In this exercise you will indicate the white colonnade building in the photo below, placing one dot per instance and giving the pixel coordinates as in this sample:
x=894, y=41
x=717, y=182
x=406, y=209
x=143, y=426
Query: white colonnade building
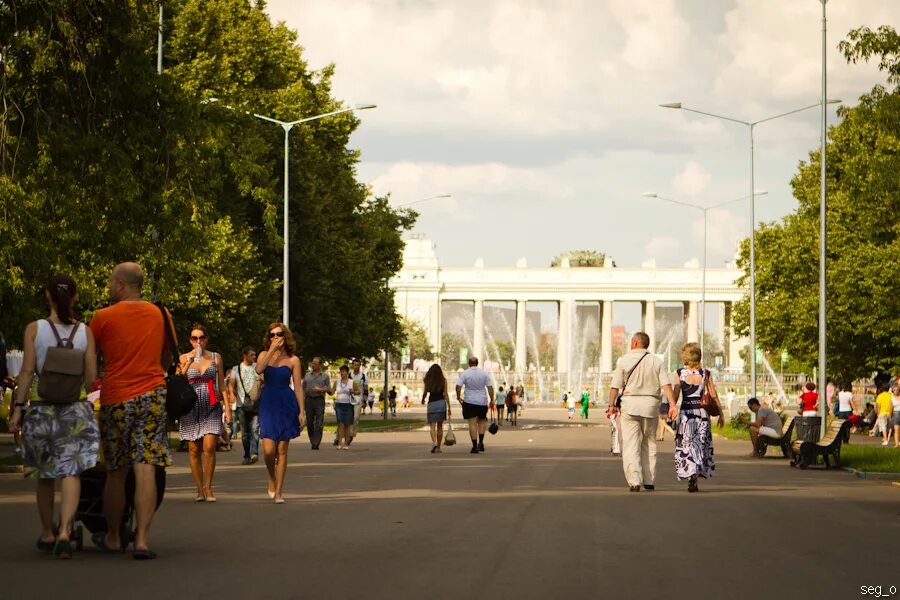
x=422, y=285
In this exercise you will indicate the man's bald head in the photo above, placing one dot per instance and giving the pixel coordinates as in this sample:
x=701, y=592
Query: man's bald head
x=640, y=340
x=125, y=282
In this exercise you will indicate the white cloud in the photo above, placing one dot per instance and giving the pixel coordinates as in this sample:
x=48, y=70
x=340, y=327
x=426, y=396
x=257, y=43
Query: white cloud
x=726, y=228
x=661, y=247
x=692, y=180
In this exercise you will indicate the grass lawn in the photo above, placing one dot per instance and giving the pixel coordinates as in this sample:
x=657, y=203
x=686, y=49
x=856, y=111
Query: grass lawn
x=875, y=459
x=729, y=432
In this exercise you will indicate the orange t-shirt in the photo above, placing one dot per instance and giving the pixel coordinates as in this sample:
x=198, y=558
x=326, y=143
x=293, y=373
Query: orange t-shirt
x=131, y=338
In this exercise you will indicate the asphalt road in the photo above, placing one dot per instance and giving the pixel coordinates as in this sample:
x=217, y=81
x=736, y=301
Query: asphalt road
x=544, y=513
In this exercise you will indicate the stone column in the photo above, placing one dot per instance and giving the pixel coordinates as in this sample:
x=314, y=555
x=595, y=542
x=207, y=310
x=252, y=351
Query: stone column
x=691, y=313
x=562, y=343
x=478, y=335
x=606, y=350
x=521, y=336
x=648, y=314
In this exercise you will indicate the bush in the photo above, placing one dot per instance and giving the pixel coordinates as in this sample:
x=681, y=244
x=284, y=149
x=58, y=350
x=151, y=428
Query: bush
x=740, y=421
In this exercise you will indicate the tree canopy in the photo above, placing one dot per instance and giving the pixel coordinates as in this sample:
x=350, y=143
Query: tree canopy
x=863, y=244
x=102, y=161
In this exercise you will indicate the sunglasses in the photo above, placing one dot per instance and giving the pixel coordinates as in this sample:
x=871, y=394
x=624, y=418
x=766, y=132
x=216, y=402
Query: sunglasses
x=195, y=338
x=276, y=334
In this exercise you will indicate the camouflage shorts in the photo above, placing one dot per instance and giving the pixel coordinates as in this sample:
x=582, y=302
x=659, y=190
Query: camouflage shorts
x=135, y=431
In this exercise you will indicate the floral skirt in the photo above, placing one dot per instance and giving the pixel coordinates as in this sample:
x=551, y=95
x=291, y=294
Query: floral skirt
x=60, y=440
x=693, y=447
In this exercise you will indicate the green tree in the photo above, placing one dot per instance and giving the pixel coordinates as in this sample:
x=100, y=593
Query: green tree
x=416, y=337
x=450, y=345
x=101, y=160
x=863, y=245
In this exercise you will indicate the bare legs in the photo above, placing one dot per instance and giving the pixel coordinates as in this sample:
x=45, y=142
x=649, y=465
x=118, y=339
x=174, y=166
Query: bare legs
x=203, y=467
x=754, y=438
x=45, y=499
x=275, y=457
x=144, y=504
x=896, y=436
x=343, y=432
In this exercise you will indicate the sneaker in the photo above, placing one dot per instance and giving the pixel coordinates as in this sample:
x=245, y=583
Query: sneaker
x=246, y=460
x=336, y=442
x=649, y=488
x=884, y=442
x=254, y=458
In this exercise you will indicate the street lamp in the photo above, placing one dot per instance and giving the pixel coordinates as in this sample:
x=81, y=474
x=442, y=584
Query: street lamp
x=705, y=210
x=750, y=126
x=424, y=200
x=287, y=126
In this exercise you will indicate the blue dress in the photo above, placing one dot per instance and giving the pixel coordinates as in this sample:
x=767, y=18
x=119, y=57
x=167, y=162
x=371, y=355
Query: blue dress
x=279, y=415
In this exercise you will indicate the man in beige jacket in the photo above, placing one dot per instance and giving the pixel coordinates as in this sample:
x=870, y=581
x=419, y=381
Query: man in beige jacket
x=643, y=379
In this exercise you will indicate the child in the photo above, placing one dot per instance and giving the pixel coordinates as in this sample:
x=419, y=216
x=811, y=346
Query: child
x=570, y=401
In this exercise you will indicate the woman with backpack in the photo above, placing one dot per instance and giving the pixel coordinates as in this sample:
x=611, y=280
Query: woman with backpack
x=61, y=437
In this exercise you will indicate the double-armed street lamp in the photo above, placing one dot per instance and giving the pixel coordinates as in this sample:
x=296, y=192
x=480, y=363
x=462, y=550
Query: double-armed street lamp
x=751, y=125
x=705, y=210
x=287, y=126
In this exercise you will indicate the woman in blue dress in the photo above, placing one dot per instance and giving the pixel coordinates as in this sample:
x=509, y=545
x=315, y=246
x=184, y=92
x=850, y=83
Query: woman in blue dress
x=281, y=414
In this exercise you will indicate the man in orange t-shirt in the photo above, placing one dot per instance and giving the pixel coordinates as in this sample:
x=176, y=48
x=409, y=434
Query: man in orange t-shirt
x=131, y=336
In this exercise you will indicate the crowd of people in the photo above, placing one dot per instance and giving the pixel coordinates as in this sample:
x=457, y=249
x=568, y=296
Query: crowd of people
x=62, y=437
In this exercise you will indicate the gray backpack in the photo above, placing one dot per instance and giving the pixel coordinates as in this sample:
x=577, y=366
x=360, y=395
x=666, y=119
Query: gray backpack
x=62, y=375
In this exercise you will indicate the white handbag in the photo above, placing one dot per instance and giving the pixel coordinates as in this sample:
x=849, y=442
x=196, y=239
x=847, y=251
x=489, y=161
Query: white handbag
x=450, y=438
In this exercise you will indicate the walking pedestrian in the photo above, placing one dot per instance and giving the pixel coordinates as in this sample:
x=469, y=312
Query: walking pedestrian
x=642, y=379
x=60, y=436
x=479, y=392
x=435, y=389
x=392, y=400
x=316, y=383
x=895, y=417
x=360, y=391
x=585, y=402
x=202, y=426
x=512, y=406
x=885, y=405
x=500, y=404
x=131, y=337
x=281, y=414
x=370, y=399
x=693, y=437
x=342, y=390
x=243, y=378
x=569, y=399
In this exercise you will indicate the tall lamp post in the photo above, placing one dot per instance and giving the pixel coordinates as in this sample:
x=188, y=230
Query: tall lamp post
x=750, y=127
x=823, y=230
x=287, y=126
x=705, y=210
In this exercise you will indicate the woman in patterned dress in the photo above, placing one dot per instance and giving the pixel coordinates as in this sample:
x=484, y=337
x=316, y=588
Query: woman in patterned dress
x=693, y=434
x=61, y=441
x=202, y=426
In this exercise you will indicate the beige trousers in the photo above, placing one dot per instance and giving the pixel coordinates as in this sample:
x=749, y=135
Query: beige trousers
x=639, y=448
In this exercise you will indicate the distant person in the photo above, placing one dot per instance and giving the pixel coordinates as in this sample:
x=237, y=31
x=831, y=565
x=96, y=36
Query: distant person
x=693, y=441
x=131, y=337
x=885, y=406
x=845, y=404
x=809, y=401
x=392, y=400
x=869, y=417
x=435, y=389
x=585, y=402
x=479, y=393
x=243, y=378
x=895, y=418
x=342, y=389
x=570, y=404
x=61, y=439
x=512, y=406
x=767, y=424
x=281, y=410
x=202, y=426
x=500, y=404
x=360, y=391
x=316, y=383
x=642, y=379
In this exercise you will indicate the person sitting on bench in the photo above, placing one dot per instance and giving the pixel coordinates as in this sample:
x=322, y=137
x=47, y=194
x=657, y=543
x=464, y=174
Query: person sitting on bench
x=767, y=423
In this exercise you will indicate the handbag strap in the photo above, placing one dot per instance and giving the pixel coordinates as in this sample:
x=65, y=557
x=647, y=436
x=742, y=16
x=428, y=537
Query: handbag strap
x=241, y=379
x=167, y=325
x=627, y=377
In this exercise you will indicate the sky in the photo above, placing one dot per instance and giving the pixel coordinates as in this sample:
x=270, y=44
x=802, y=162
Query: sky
x=541, y=118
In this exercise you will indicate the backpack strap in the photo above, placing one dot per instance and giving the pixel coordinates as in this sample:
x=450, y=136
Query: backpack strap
x=68, y=342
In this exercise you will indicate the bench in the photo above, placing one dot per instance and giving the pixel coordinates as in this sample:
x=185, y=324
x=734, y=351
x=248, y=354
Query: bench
x=783, y=442
x=829, y=447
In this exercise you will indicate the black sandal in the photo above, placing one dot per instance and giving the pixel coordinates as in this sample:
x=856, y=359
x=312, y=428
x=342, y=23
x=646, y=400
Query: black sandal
x=62, y=549
x=45, y=546
x=433, y=449
x=146, y=554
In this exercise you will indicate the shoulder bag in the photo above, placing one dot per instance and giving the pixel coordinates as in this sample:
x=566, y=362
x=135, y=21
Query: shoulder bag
x=180, y=395
x=627, y=377
x=251, y=397
x=708, y=402
x=62, y=375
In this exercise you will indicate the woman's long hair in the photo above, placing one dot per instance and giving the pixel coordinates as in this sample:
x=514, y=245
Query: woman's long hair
x=289, y=346
x=434, y=379
x=62, y=290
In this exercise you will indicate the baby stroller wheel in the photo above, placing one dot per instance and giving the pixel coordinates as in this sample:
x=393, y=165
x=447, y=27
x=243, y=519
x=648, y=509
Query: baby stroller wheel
x=78, y=538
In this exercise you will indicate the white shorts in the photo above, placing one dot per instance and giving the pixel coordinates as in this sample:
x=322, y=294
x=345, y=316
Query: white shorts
x=810, y=413
x=769, y=432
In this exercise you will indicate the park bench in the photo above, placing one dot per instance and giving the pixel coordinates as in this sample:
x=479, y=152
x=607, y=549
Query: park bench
x=829, y=447
x=783, y=442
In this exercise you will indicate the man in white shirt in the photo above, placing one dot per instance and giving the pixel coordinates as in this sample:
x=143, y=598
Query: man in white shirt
x=479, y=395
x=243, y=376
x=360, y=391
x=642, y=378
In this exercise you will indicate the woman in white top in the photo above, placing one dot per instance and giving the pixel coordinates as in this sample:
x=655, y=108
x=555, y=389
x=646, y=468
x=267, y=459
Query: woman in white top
x=895, y=415
x=343, y=407
x=846, y=406
x=61, y=440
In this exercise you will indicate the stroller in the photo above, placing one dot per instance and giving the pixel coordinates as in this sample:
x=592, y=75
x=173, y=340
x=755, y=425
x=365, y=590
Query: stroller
x=90, y=505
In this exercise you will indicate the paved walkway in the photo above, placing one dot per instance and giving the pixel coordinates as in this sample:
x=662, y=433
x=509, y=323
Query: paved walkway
x=544, y=513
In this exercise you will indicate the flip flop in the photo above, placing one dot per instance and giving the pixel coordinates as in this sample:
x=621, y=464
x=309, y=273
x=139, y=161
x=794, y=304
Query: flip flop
x=99, y=540
x=45, y=546
x=62, y=550
x=146, y=554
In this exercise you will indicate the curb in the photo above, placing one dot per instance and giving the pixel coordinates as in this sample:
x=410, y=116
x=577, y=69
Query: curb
x=873, y=475
x=12, y=469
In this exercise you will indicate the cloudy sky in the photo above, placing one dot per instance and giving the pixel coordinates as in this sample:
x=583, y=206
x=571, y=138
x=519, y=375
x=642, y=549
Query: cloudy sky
x=541, y=117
